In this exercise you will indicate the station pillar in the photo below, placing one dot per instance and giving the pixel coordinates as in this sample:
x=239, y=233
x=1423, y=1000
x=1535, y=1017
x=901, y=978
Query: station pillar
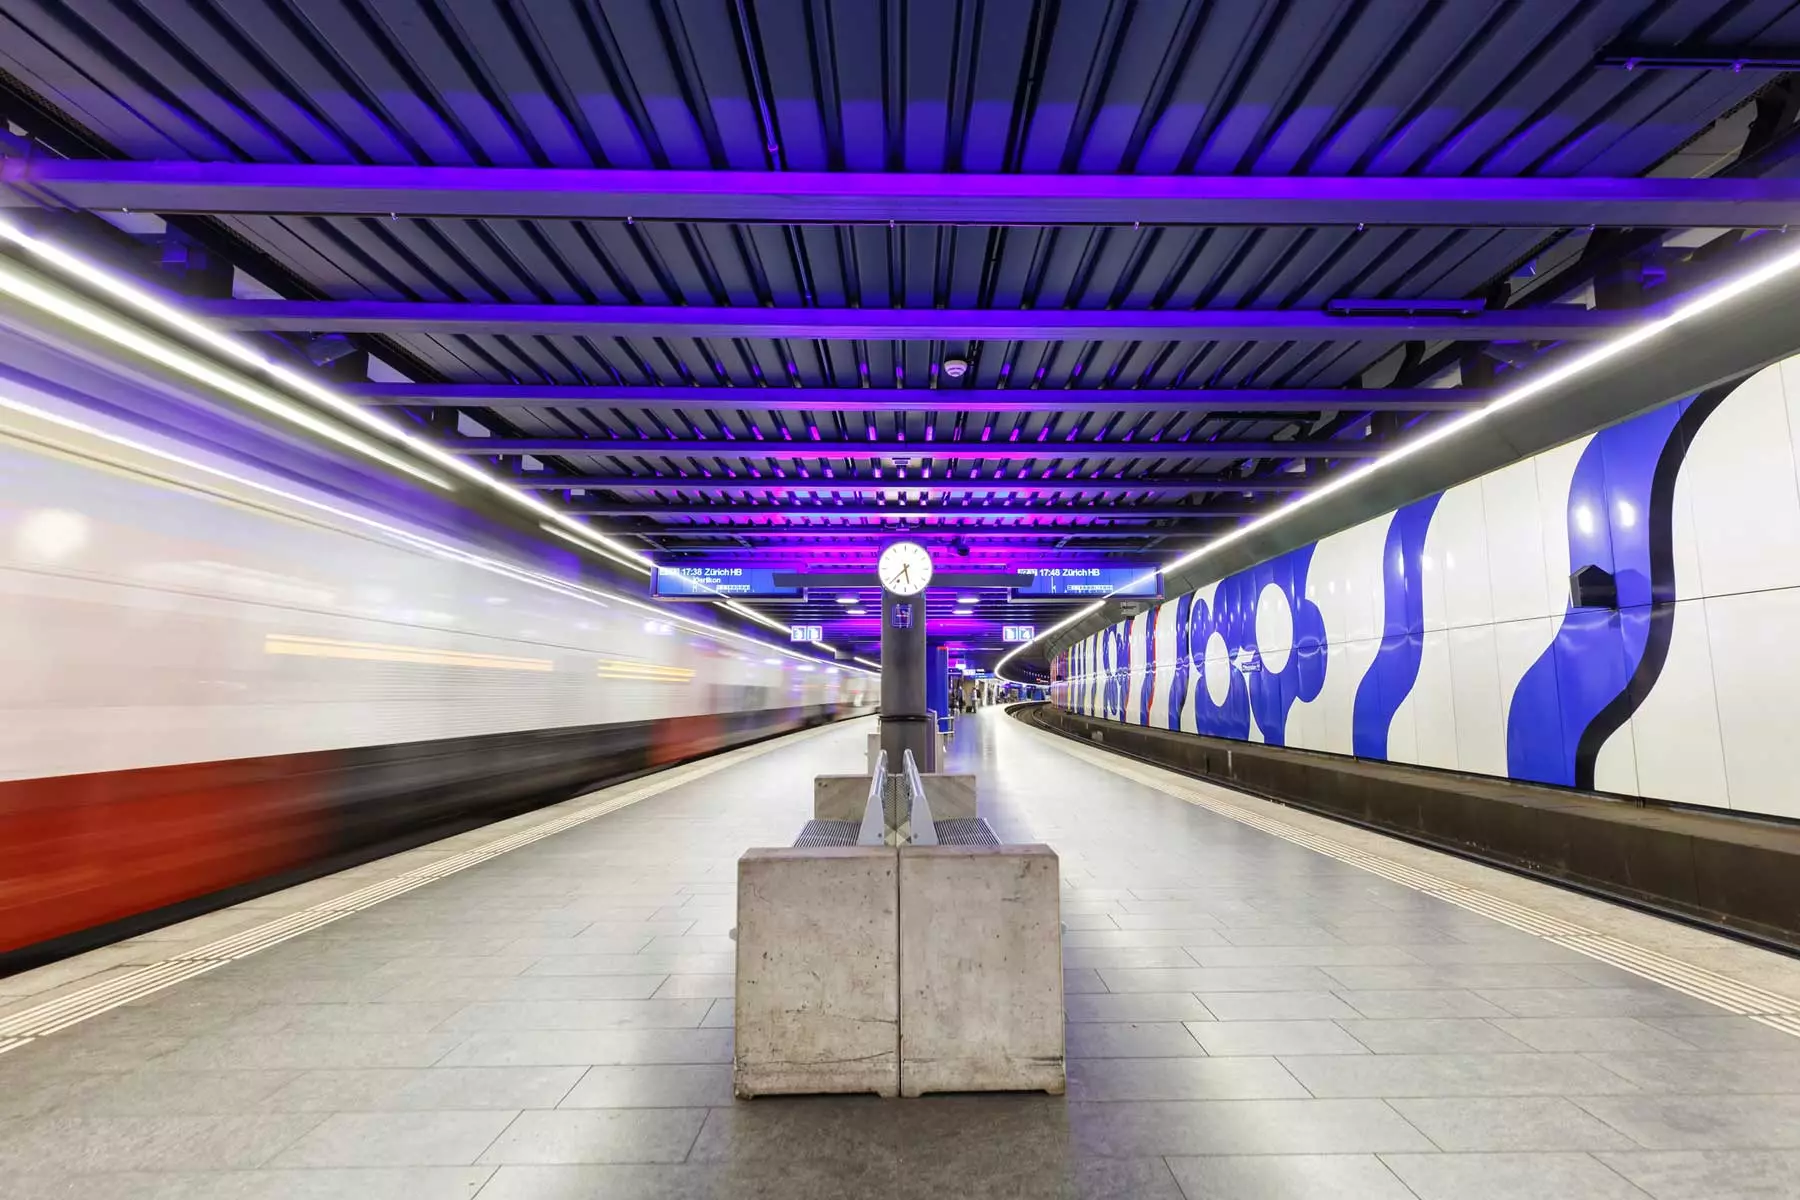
x=904, y=724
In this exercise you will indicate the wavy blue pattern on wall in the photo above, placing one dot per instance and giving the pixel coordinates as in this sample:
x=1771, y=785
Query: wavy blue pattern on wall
x=1117, y=650
x=1596, y=650
x=1254, y=689
x=1396, y=667
x=1148, y=689
x=1178, y=684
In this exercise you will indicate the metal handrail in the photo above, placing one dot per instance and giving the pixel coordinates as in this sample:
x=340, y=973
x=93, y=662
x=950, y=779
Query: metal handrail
x=923, y=828
x=874, y=822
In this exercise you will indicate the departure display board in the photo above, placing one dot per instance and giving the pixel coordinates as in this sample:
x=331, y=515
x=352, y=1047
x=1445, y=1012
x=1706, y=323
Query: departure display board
x=712, y=581
x=1091, y=583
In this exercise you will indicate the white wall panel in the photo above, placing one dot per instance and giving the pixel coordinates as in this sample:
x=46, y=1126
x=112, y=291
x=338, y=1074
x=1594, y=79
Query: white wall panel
x=1515, y=545
x=1456, y=543
x=1433, y=701
x=1755, y=642
x=1740, y=475
x=1675, y=731
x=1555, y=472
x=1480, y=717
x=1164, y=616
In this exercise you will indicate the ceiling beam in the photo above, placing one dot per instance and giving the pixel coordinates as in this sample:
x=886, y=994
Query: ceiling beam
x=870, y=400
x=444, y=319
x=936, y=451
x=898, y=512
x=1011, y=486
x=800, y=197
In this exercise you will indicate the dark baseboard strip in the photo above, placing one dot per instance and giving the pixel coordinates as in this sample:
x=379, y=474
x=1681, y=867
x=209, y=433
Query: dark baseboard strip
x=1729, y=874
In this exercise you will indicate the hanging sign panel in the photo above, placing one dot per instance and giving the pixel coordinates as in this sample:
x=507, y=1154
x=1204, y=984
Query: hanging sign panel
x=712, y=581
x=1091, y=583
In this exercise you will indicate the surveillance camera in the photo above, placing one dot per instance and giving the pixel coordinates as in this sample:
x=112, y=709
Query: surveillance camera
x=955, y=368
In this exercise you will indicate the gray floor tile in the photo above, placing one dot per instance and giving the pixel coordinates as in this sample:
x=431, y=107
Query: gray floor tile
x=1216, y=979
x=1221, y=1038
x=1710, y=1175
x=1135, y=1006
x=1505, y=976
x=1531, y=950
x=1275, y=1006
x=1725, y=1033
x=1409, y=1003
x=591, y=1048
x=363, y=1183
x=599, y=1135
x=305, y=1051
x=1300, y=956
x=1240, y=934
x=1702, y=1122
x=396, y=1139
x=634, y=964
x=1126, y=956
x=1697, y=1072
x=722, y=1015
x=757, y=1180
x=403, y=1090
x=576, y=987
x=990, y=1172
x=1597, y=1002
x=1288, y=1177
x=659, y=1013
x=88, y=1143
x=778, y=1129
x=167, y=1093
x=1433, y=1035
x=1111, y=1079
x=699, y=987
x=1163, y=1039
x=1575, y=1034
x=1510, y=1123
x=1206, y=1127
x=1455, y=1075
x=672, y=1086
x=1119, y=939
x=1509, y=1177
x=1082, y=980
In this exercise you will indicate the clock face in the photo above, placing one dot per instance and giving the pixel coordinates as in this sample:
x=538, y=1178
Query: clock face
x=904, y=568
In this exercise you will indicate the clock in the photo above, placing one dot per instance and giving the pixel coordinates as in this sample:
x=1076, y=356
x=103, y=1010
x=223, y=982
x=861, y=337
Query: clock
x=904, y=568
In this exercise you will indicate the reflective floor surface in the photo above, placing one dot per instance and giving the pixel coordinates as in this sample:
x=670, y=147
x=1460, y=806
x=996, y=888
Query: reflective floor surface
x=1247, y=1019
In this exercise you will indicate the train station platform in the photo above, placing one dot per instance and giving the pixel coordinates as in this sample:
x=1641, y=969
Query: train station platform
x=1260, y=1002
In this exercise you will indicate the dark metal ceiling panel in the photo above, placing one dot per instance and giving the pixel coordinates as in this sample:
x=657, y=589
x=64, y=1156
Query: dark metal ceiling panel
x=1492, y=88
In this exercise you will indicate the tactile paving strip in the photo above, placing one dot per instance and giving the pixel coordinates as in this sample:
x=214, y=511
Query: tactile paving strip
x=1743, y=999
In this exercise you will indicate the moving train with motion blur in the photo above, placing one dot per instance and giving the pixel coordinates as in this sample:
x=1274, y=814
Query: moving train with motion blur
x=217, y=681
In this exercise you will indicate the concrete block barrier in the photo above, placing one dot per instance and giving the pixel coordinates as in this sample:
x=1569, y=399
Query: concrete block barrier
x=981, y=985
x=817, y=971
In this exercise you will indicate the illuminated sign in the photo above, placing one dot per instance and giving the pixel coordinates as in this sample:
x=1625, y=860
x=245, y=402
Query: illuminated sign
x=1091, y=583
x=1017, y=633
x=711, y=582
x=806, y=633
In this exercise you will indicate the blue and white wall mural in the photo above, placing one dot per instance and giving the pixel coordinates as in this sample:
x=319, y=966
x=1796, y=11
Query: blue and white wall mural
x=1620, y=614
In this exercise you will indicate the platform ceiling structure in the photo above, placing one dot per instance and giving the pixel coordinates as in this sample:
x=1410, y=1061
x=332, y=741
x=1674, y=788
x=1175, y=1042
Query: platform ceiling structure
x=697, y=269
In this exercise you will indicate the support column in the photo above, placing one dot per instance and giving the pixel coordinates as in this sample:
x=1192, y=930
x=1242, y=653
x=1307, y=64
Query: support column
x=903, y=722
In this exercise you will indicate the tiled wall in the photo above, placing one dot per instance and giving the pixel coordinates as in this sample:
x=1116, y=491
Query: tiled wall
x=1445, y=634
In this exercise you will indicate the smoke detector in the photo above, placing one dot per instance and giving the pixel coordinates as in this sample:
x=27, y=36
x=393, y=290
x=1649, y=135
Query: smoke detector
x=956, y=368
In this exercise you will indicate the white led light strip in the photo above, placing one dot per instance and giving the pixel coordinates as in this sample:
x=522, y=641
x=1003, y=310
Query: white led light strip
x=40, y=1020
x=1734, y=996
x=1537, y=384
